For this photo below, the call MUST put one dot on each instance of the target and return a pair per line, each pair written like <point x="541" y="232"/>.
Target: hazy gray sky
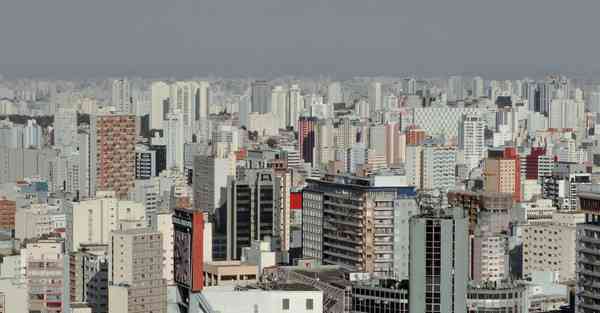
<point x="310" y="37"/>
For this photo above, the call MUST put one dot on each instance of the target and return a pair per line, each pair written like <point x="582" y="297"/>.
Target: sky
<point x="267" y="38"/>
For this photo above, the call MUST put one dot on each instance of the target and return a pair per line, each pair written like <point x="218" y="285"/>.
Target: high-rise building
<point x="438" y="167"/>
<point x="561" y="186"/>
<point x="347" y="222"/>
<point x="121" y="96"/>
<point x="210" y="180"/>
<point x="160" y="104"/>
<point x="8" y="209"/>
<point x="296" y="106"/>
<point x="306" y="137"/>
<point x="135" y="273"/>
<point x="502" y="172"/>
<point x="89" y="277"/>
<point x="253" y="201"/>
<point x="174" y="127"/>
<point x="145" y="162"/>
<point x="566" y="113"/>
<point x="112" y="154"/>
<point x="261" y="97"/>
<point x="456" y="89"/>
<point x="279" y="106"/>
<point x="201" y="110"/>
<point x="588" y="251"/>
<point x="47" y="276"/>
<point x="65" y="128"/>
<point x="438" y="262"/>
<point x="375" y="97"/>
<point x="94" y="219"/>
<point x="471" y="140"/>
<point x="478" y="87"/>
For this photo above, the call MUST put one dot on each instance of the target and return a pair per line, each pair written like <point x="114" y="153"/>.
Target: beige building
<point x="96" y="218"/>
<point x="164" y="224"/>
<point x="220" y="273"/>
<point x="135" y="274"/>
<point x="548" y="247"/>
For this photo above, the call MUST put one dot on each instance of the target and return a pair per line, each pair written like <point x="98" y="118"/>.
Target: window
<point x="285" y="304"/>
<point x="309" y="304"/>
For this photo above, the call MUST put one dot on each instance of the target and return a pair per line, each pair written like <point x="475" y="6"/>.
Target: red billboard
<point x="296" y="200"/>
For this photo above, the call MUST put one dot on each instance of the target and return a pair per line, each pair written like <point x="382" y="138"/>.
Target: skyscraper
<point x="121" y="96"/>
<point x="306" y="137"/>
<point x="478" y="88"/>
<point x="160" y="104"/>
<point x="438" y="166"/>
<point x="279" y="106"/>
<point x="455" y="88"/>
<point x="502" y="172"/>
<point x="135" y="272"/>
<point x="375" y="96"/>
<point x="210" y="177"/>
<point x="471" y="140"/>
<point x="296" y="103"/>
<point x="65" y="127"/>
<point x="174" y="132"/>
<point x="112" y="154"/>
<point x="261" y="97"/>
<point x="438" y="262"/>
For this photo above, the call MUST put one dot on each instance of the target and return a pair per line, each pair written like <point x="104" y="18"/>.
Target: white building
<point x="439" y="163"/>
<point x="121" y="96"/>
<point x="279" y="106"/>
<point x="174" y="127"/>
<point x="297" y="300"/>
<point x="375" y="96"/>
<point x="471" y="140"/>
<point x="160" y="104"/>
<point x="93" y="220"/>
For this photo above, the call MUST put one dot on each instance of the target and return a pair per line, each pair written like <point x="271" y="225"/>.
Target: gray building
<point x="145" y="162"/>
<point x="253" y="200"/>
<point x="261" y="97"/>
<point x="439" y="262"/>
<point x="562" y="185"/>
<point x="498" y="298"/>
<point x="89" y="277"/>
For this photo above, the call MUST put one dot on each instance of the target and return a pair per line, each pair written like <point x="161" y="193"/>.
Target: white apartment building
<point x="96" y="218"/>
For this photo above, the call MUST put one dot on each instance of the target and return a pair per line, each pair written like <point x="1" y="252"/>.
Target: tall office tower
<point x="85" y="159"/>
<point x="546" y="91"/>
<point x="414" y="165"/>
<point x="392" y="144"/>
<point x="160" y="104"/>
<point x="183" y="98"/>
<point x="502" y="172"/>
<point x="94" y="219"/>
<point x="471" y="140"/>
<point x="324" y="143"/>
<point x="375" y="96"/>
<point x="334" y="93"/>
<point x="456" y="89"/>
<point x="88" y="276"/>
<point x="202" y="108"/>
<point x="210" y="180"/>
<point x="478" y="87"/>
<point x="409" y="86"/>
<point x="438" y="262"/>
<point x="174" y="132"/>
<point x="65" y="128"/>
<point x="121" y="96"/>
<point x="356" y="223"/>
<point x="566" y="113"/>
<point x="47" y="276"/>
<point x="296" y="106"/>
<point x="363" y="109"/>
<point x="529" y="93"/>
<point x="261" y="97"/>
<point x="252" y="202"/>
<point x="112" y="153"/>
<point x="135" y="272"/>
<point x="279" y="106"/>
<point x="32" y="135"/>
<point x="438" y="167"/>
<point x="306" y="137"/>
